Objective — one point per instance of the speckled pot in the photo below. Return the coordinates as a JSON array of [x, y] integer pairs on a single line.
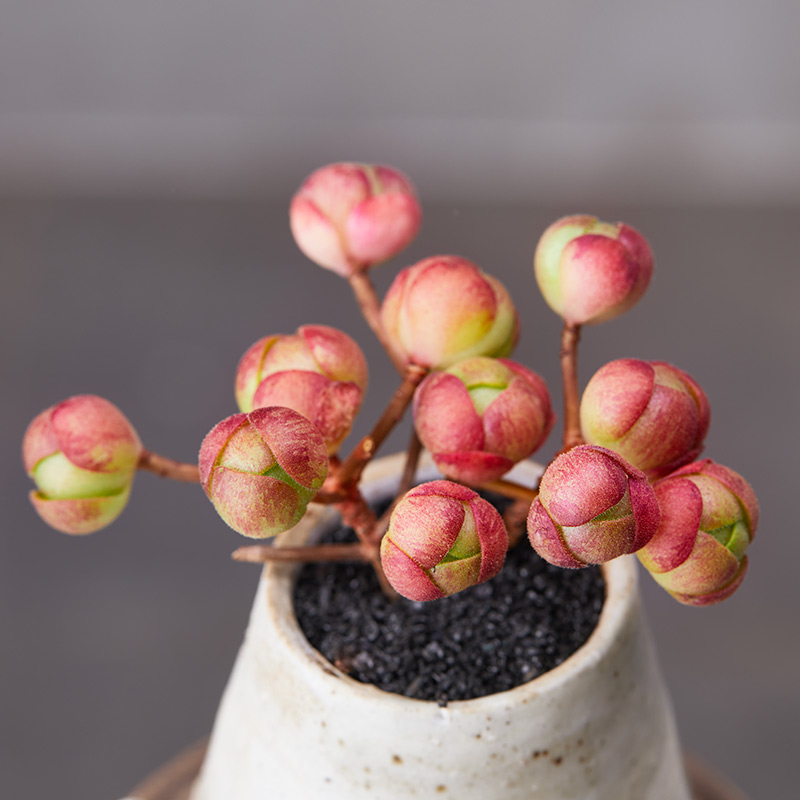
[[292, 727]]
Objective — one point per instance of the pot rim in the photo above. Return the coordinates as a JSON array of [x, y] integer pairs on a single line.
[[621, 603]]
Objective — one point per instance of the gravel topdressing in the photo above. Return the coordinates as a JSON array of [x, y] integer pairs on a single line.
[[487, 639]]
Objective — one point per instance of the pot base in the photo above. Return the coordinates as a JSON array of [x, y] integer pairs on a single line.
[[174, 780]]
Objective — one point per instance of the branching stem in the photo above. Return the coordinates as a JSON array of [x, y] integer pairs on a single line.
[[168, 467], [354, 464], [569, 376], [370, 307]]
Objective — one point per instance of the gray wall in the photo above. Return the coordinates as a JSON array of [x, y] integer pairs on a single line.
[[556, 99]]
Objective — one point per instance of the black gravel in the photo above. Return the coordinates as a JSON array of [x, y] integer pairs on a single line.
[[486, 639]]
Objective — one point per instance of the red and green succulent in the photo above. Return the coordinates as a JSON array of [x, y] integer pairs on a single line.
[[621, 483]]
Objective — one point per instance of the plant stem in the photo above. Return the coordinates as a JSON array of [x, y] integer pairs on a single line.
[[352, 467], [168, 467], [371, 309], [406, 482], [569, 376], [515, 517], [259, 553], [515, 491]]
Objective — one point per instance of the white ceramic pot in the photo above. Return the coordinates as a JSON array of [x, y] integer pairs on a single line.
[[293, 727]]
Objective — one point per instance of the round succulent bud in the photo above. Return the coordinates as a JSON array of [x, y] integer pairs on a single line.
[[481, 416], [82, 455], [709, 515], [442, 538], [653, 414], [444, 309], [260, 470], [330, 405], [593, 506], [591, 271], [346, 217], [320, 349]]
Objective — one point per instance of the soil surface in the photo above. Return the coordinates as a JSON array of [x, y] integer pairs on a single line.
[[487, 639]]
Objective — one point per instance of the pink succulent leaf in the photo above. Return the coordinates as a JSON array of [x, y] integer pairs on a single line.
[[94, 434], [317, 236], [547, 540], [296, 443], [718, 594], [256, 506], [249, 371], [731, 480], [406, 576], [581, 484], [381, 226], [80, 515], [493, 538], [426, 527], [615, 398], [214, 442], [472, 466], [444, 415], [337, 355], [710, 567], [293, 388], [444, 309], [516, 422], [39, 440]]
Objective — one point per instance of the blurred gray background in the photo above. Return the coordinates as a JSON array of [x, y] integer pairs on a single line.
[[147, 154]]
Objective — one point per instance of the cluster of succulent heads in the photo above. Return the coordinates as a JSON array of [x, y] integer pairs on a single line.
[[631, 482]]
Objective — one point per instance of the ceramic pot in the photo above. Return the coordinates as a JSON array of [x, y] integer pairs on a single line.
[[291, 726]]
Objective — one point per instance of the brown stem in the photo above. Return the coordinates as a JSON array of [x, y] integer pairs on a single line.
[[352, 467], [169, 468], [515, 491], [357, 515], [371, 309], [406, 482], [569, 377], [515, 517], [259, 553]]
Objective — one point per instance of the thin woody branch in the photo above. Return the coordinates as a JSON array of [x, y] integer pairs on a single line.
[[516, 491], [354, 464], [259, 553], [168, 468], [569, 376], [370, 307]]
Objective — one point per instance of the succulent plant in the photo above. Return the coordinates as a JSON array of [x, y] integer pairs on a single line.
[[447, 327], [592, 507], [346, 217], [592, 271], [442, 538], [651, 413], [445, 309], [709, 515], [261, 469], [481, 416], [82, 454]]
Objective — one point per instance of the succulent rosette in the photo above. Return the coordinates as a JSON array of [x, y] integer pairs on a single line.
[[709, 515], [653, 414], [445, 309], [592, 271], [82, 454], [593, 506], [442, 538], [318, 371], [481, 416], [346, 217], [261, 469]]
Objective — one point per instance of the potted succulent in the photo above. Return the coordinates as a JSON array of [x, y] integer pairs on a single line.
[[627, 480]]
